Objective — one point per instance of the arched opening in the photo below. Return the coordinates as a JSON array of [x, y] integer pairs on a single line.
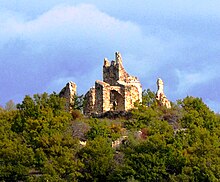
[[117, 101]]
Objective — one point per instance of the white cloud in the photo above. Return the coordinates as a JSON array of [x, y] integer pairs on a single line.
[[77, 27], [187, 80], [169, 8], [49, 44], [66, 41]]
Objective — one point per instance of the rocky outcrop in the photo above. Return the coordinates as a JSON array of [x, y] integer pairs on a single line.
[[160, 96], [69, 92]]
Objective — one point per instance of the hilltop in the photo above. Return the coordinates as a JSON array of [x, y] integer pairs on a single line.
[[41, 141], [115, 132]]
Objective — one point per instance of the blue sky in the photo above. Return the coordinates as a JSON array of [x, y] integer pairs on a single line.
[[46, 44]]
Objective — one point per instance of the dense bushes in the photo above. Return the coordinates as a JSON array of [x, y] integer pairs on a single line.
[[40, 141]]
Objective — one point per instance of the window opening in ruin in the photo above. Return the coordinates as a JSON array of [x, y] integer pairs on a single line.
[[116, 100]]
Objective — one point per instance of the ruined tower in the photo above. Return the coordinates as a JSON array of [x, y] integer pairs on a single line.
[[117, 92], [69, 92], [160, 96]]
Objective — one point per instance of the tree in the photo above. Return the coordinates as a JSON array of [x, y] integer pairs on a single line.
[[39, 141], [98, 128], [141, 117], [78, 102], [149, 98], [16, 157], [97, 158], [46, 127], [103, 128], [154, 159], [199, 142], [10, 105], [197, 113]]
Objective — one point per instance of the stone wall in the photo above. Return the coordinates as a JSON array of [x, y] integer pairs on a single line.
[[90, 100], [117, 92], [69, 92]]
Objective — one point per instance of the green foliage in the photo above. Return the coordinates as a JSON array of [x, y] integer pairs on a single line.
[[149, 98], [200, 147], [47, 109], [197, 113], [151, 159], [98, 128], [188, 154], [142, 116], [104, 129], [44, 127], [78, 102], [77, 107], [39, 141], [97, 158], [15, 155]]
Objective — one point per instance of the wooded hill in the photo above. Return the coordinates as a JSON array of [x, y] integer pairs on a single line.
[[40, 141]]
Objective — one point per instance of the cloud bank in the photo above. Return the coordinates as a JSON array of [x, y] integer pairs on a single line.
[[45, 45], [61, 44]]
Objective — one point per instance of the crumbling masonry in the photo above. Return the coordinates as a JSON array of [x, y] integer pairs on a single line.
[[69, 92], [160, 96], [117, 92]]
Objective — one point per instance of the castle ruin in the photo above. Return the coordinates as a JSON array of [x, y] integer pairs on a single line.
[[117, 92], [69, 92], [160, 96]]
